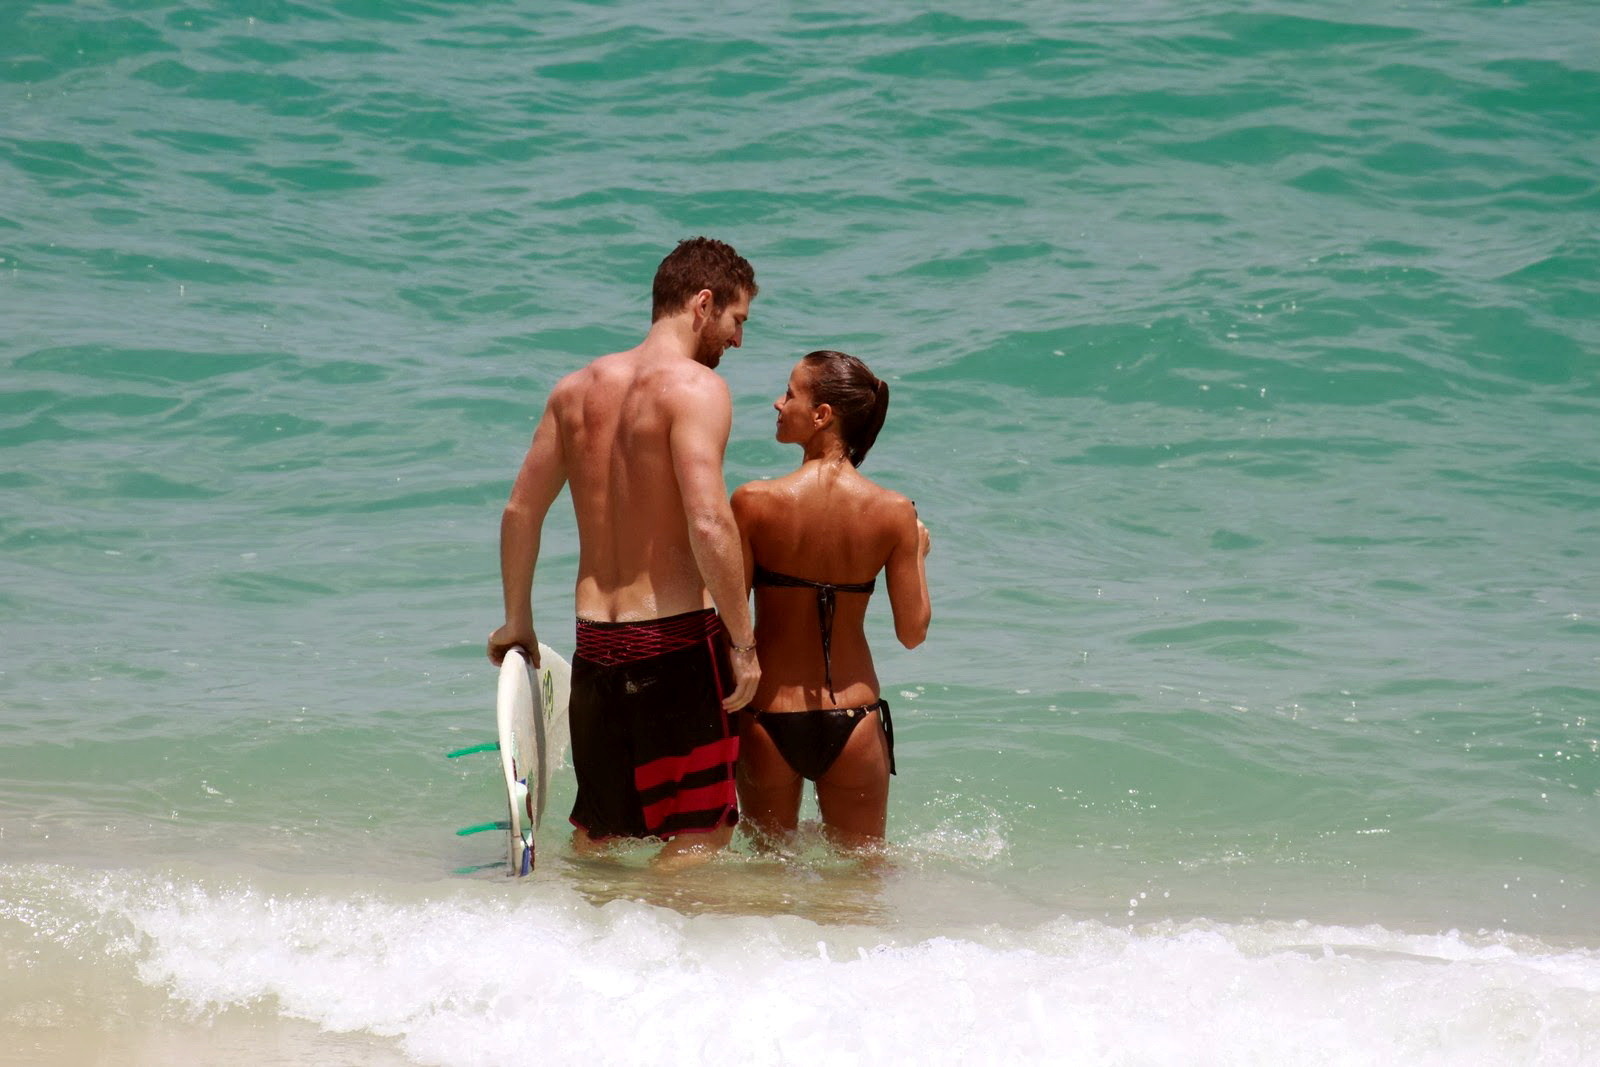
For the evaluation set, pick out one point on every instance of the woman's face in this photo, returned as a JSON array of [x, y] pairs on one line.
[[796, 414]]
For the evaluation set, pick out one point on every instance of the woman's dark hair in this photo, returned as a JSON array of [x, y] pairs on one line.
[[859, 398]]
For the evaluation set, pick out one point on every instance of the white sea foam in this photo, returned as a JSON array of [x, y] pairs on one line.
[[464, 975]]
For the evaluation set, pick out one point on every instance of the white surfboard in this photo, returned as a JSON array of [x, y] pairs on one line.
[[531, 711]]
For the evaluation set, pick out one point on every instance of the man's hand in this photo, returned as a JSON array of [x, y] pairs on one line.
[[508, 637], [746, 675]]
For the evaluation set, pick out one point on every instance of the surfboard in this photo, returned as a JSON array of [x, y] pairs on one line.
[[533, 734], [531, 722]]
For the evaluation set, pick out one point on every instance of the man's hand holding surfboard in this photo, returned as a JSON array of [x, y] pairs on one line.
[[510, 636]]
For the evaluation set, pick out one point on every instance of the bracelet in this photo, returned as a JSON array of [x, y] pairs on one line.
[[741, 648]]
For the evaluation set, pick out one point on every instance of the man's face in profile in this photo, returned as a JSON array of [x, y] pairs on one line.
[[723, 330]]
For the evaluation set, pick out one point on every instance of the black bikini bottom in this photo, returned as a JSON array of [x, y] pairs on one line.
[[811, 740]]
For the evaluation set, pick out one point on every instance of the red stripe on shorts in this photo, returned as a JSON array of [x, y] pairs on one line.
[[675, 768], [717, 797]]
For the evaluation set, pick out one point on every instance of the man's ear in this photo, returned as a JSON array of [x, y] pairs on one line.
[[704, 306]]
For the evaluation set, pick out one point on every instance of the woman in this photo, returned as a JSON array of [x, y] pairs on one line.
[[814, 543]]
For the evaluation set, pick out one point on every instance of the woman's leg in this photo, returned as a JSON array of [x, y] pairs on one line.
[[854, 794], [769, 789]]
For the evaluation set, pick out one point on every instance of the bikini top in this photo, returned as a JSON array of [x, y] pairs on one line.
[[825, 606]]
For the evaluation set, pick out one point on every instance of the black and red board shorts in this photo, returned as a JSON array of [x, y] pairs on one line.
[[654, 752]]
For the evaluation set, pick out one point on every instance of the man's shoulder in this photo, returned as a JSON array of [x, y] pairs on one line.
[[684, 387], [571, 382], [688, 373], [672, 387], [609, 373], [652, 370]]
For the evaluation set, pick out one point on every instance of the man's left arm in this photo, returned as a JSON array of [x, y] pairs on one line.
[[539, 482]]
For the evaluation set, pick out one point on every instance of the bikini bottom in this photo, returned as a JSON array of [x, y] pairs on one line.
[[811, 740]]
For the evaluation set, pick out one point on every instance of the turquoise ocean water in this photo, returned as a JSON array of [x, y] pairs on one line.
[[1244, 360]]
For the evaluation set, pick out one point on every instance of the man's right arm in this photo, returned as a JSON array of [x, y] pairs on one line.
[[701, 423], [539, 482]]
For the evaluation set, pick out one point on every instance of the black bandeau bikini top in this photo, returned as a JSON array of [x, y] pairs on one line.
[[825, 606]]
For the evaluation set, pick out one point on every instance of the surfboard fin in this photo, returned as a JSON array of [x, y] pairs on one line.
[[485, 746], [476, 867]]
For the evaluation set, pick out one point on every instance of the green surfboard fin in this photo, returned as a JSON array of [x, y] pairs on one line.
[[486, 746]]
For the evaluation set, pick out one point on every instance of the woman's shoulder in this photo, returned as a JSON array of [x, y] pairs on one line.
[[760, 487], [760, 495], [882, 499]]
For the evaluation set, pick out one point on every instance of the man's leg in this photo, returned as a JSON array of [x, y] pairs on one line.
[[691, 850], [584, 845]]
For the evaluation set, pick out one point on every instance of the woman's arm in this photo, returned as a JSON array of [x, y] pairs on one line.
[[907, 573]]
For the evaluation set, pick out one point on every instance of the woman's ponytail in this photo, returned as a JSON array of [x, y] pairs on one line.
[[859, 398]]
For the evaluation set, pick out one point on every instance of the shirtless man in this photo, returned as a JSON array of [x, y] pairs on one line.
[[639, 437]]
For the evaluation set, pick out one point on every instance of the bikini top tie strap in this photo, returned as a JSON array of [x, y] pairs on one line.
[[827, 602], [766, 577]]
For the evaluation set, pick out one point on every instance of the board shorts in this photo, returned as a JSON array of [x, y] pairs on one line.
[[654, 752]]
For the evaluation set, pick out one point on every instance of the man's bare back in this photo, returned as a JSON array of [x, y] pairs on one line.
[[639, 437], [633, 426]]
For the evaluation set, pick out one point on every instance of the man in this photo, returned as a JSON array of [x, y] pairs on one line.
[[639, 437]]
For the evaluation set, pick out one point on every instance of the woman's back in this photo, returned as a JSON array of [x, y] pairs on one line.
[[814, 541]]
